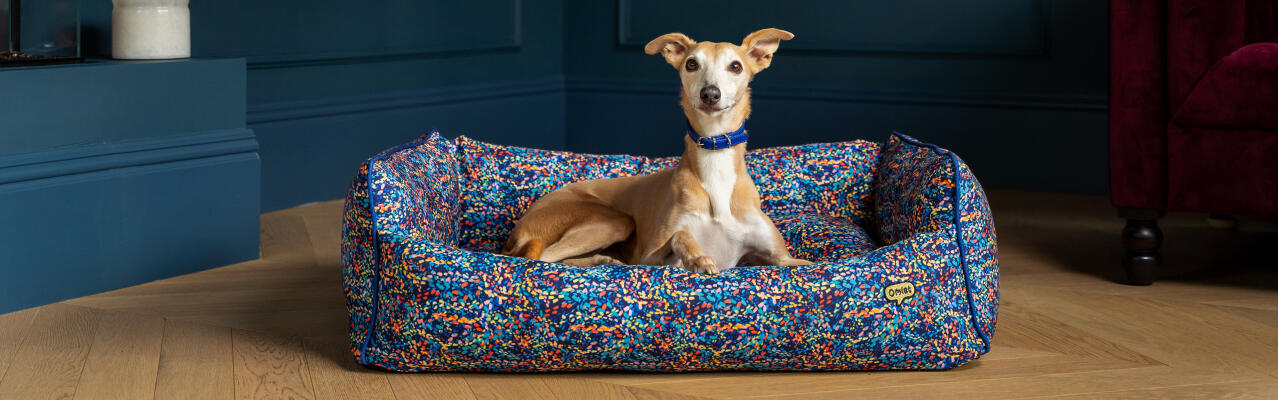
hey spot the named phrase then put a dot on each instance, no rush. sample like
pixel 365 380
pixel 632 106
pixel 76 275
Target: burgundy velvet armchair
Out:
pixel 1193 115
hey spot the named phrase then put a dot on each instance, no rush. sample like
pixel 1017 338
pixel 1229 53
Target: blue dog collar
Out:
pixel 719 142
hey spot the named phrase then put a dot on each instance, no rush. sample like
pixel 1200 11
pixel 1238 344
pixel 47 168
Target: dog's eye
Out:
pixel 691 65
pixel 735 67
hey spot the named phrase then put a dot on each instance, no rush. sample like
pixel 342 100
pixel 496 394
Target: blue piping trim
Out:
pixel 377 265
pixel 377 248
pixel 958 230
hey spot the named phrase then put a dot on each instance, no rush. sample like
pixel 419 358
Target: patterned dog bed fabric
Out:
pixel 905 273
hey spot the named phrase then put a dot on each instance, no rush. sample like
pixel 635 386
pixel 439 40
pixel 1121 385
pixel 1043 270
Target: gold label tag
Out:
pixel 899 292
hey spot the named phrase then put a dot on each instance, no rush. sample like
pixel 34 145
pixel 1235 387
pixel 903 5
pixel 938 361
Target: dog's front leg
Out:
pixel 773 258
pixel 790 261
pixel 778 254
pixel 686 248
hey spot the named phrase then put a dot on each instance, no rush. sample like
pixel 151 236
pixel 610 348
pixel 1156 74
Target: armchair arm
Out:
pixel 1239 93
pixel 1201 32
pixel 1138 103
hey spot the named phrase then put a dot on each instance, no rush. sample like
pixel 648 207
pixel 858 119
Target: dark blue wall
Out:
pixel 307 50
pixel 378 78
pixel 118 173
pixel 331 82
pixel 1016 87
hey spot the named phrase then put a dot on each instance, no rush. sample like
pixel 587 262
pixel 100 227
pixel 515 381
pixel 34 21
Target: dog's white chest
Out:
pixel 721 235
pixel 718 178
pixel 725 240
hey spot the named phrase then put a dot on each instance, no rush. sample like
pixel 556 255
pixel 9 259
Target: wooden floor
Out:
pixel 274 328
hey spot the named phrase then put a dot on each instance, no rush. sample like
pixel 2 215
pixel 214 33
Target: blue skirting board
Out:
pixel 118 173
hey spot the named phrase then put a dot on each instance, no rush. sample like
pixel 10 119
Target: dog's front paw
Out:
pixel 702 265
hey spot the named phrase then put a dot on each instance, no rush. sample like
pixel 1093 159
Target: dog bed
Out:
pixel 905 273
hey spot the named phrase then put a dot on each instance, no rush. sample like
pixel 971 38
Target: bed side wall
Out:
pixel 909 196
pixel 980 249
pixel 410 190
pixel 498 183
pixel 923 188
pixel 829 179
pixel 415 191
pixel 359 258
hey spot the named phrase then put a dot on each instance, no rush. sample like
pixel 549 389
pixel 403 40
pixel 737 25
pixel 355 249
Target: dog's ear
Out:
pixel 674 46
pixel 760 45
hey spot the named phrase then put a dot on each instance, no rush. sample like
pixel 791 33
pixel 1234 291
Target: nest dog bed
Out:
pixel 905 273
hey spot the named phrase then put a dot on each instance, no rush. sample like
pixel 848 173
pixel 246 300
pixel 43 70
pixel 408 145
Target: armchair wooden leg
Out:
pixel 1141 238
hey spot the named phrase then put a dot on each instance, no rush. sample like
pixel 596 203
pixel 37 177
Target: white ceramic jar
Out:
pixel 150 29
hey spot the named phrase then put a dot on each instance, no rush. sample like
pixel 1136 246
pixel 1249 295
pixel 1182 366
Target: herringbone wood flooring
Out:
pixel 274 327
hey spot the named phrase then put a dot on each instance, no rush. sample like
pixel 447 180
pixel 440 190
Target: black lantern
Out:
pixel 40 32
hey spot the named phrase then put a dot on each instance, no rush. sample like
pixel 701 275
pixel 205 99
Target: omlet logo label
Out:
pixel 899 292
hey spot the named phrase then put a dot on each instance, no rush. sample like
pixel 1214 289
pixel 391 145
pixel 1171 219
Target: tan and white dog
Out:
pixel 703 214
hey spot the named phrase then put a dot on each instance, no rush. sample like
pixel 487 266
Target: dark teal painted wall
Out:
pixel 1016 87
pixel 307 50
pixel 975 47
pixel 331 82
pixel 114 91
pixel 152 169
pixel 311 149
pixel 986 78
pixel 118 173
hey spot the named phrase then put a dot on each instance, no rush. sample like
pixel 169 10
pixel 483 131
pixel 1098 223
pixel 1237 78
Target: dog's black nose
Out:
pixel 709 95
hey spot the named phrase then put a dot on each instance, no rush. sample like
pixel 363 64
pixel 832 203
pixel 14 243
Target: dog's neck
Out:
pixel 718 170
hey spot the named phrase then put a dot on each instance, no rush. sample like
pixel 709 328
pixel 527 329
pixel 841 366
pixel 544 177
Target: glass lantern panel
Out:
pixel 48 28
pixel 4 25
